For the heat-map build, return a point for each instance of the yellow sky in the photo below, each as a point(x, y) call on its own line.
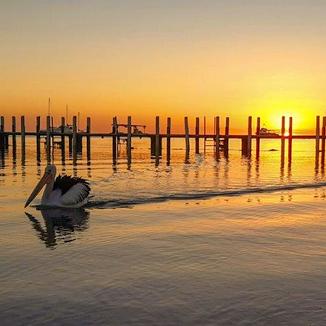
point(236, 58)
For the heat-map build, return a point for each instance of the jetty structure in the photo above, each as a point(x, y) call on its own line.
point(122, 134)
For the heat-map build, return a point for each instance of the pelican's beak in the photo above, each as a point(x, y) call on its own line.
point(45, 179)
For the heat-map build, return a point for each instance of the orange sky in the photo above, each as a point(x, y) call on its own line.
point(146, 58)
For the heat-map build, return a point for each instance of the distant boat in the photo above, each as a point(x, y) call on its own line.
point(67, 129)
point(267, 132)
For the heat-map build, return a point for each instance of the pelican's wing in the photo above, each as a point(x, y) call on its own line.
point(74, 190)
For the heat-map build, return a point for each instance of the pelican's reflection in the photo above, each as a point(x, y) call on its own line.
point(60, 225)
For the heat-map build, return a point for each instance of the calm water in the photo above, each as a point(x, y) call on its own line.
point(193, 243)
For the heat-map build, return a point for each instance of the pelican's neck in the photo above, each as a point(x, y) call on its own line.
point(48, 189)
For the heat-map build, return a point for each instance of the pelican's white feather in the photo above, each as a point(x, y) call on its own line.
point(75, 196)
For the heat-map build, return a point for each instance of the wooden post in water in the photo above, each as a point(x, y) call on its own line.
point(38, 138)
point(2, 130)
point(187, 137)
point(79, 141)
point(63, 139)
point(323, 141)
point(13, 129)
point(74, 139)
point(23, 135)
point(197, 136)
point(2, 146)
point(290, 140)
point(152, 140)
point(226, 137)
point(129, 140)
point(2, 133)
point(48, 138)
point(217, 136)
point(204, 134)
point(258, 138)
point(88, 138)
point(70, 144)
point(5, 142)
point(317, 139)
point(114, 140)
point(244, 146)
point(168, 139)
point(249, 136)
point(157, 137)
point(283, 140)
point(3, 136)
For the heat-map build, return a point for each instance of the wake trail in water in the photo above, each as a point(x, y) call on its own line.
point(127, 202)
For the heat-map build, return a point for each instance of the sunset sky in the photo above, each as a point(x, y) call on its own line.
point(167, 58)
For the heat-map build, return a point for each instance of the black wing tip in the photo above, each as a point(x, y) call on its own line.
point(65, 182)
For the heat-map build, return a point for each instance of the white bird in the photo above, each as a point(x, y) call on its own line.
point(63, 191)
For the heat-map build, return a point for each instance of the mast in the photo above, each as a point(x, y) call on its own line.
point(49, 106)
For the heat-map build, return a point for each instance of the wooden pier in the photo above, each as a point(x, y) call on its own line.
point(218, 141)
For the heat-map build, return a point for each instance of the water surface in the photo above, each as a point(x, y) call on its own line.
point(195, 241)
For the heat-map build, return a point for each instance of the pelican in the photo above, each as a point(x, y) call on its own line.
point(63, 191)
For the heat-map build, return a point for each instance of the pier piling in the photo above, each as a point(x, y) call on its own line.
point(187, 137)
point(2, 130)
point(48, 138)
point(283, 140)
point(205, 135)
point(217, 136)
point(74, 139)
point(290, 140)
point(157, 138)
point(197, 136)
point(23, 136)
point(114, 140)
point(244, 146)
point(88, 138)
point(38, 138)
point(258, 138)
point(168, 140)
point(63, 140)
point(5, 140)
point(70, 144)
point(323, 141)
point(13, 130)
point(249, 136)
point(129, 140)
point(226, 137)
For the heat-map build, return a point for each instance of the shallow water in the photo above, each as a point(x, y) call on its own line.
point(234, 241)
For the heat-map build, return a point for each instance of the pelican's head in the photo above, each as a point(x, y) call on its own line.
point(48, 177)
